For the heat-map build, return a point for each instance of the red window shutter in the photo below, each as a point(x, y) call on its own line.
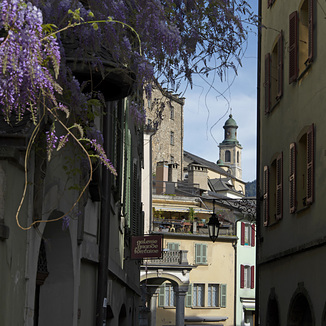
point(242, 234)
point(279, 186)
point(266, 195)
point(311, 30)
point(267, 83)
point(292, 178)
point(280, 66)
point(253, 235)
point(252, 279)
point(310, 165)
point(293, 47)
point(242, 276)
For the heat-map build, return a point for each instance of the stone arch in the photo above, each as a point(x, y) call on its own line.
point(300, 309)
point(123, 315)
point(272, 317)
point(56, 294)
point(159, 279)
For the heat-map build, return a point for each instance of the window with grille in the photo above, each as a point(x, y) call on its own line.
point(198, 295)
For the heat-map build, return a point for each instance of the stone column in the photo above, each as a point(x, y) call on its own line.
point(180, 292)
point(153, 305)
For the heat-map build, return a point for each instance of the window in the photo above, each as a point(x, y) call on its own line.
point(247, 277)
point(172, 112)
point(200, 253)
point(166, 296)
point(238, 157)
point(274, 75)
point(247, 234)
point(301, 39)
point(212, 295)
point(171, 159)
point(198, 295)
point(172, 138)
point(189, 296)
point(173, 246)
point(302, 170)
point(273, 191)
point(227, 156)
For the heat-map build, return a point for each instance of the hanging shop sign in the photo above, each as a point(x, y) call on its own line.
point(146, 246)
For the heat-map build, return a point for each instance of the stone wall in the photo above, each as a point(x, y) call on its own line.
point(164, 113)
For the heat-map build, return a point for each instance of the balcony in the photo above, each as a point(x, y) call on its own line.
point(169, 257)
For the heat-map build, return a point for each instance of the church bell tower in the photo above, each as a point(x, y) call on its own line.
point(230, 149)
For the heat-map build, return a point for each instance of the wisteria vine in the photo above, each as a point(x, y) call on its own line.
point(157, 41)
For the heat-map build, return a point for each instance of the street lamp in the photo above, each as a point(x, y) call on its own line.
point(213, 225)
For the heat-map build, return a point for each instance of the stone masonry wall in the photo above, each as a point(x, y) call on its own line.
point(164, 112)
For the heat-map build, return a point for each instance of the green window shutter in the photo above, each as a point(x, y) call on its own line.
point(223, 295)
point(204, 253)
point(197, 253)
point(161, 296)
point(173, 246)
point(189, 296)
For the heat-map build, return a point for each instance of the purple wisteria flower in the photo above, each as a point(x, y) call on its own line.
point(25, 78)
point(102, 156)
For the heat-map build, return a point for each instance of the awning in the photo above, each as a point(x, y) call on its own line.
point(182, 209)
point(205, 318)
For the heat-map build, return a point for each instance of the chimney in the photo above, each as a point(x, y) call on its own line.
point(173, 172)
point(197, 174)
point(162, 174)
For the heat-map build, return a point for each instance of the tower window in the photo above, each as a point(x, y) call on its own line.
point(172, 138)
point(172, 112)
point(238, 157)
point(227, 156)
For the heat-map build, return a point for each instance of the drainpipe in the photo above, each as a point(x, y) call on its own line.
point(102, 282)
point(258, 220)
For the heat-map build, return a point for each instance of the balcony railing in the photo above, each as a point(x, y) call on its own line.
point(170, 257)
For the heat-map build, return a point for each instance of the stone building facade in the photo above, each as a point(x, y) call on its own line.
point(164, 114)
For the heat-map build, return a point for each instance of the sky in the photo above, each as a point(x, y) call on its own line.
point(206, 111)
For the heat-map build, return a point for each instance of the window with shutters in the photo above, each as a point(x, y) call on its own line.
point(273, 191)
point(247, 277)
point(200, 253)
point(301, 40)
point(248, 234)
point(173, 246)
point(274, 75)
point(198, 295)
point(166, 296)
point(302, 171)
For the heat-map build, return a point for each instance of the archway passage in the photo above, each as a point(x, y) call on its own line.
point(55, 297)
point(272, 313)
point(300, 313)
